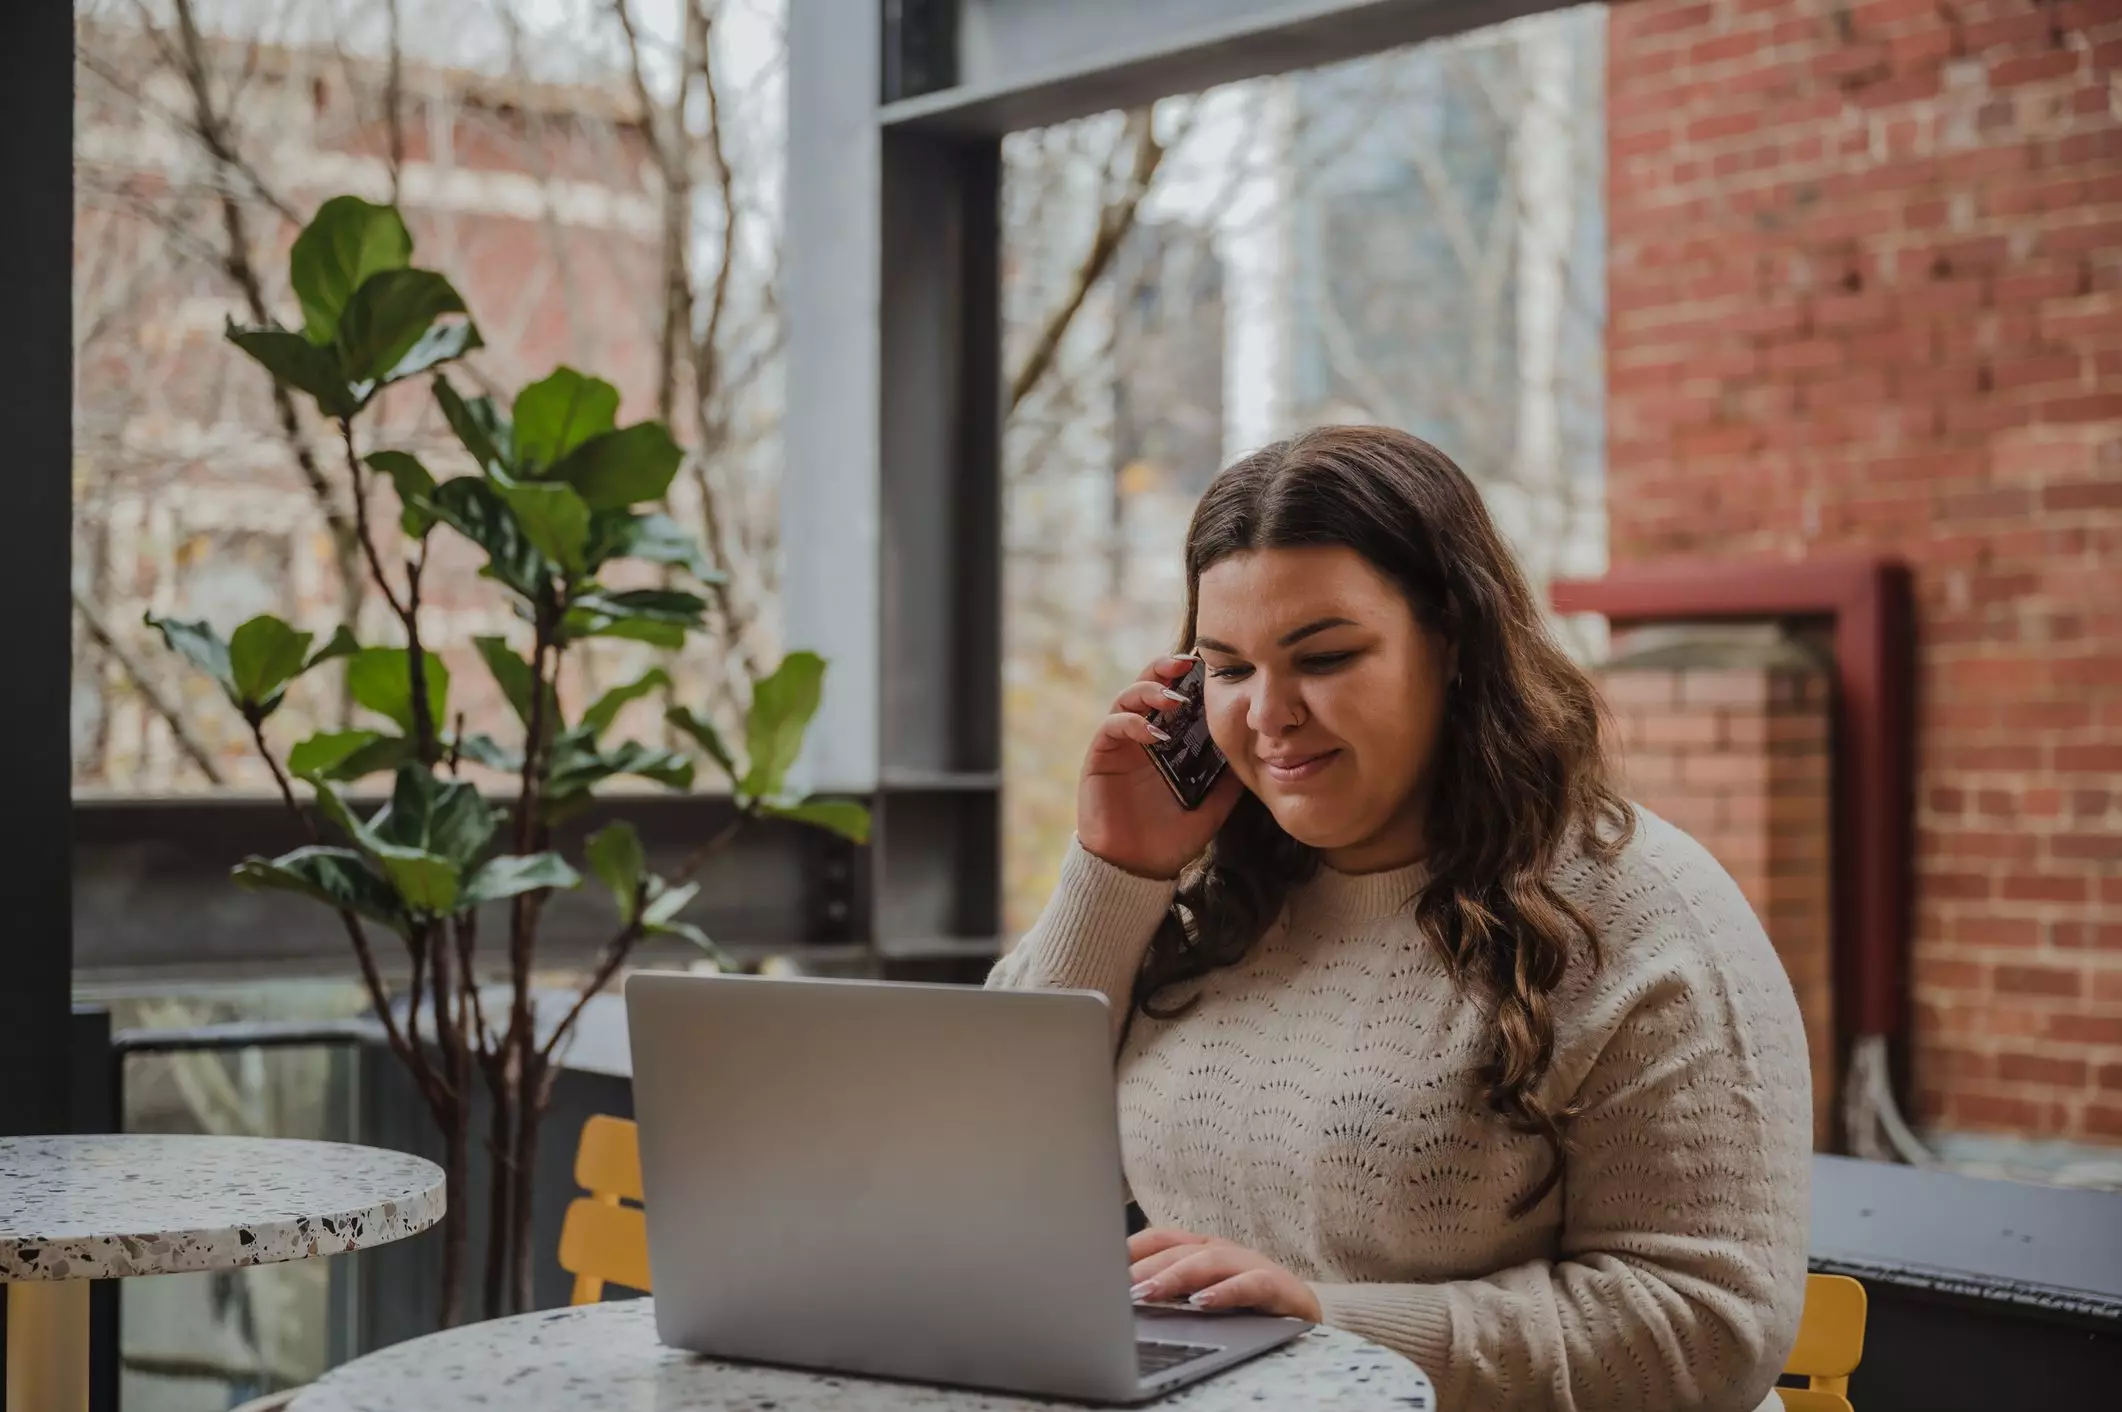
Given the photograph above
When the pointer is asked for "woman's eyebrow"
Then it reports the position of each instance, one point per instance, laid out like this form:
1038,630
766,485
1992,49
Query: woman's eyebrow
1288,639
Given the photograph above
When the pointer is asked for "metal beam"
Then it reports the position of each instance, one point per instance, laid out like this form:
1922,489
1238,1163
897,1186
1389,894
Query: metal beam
36,420
830,295
1026,65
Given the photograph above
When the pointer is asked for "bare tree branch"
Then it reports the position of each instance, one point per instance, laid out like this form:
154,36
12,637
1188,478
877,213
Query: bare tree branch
1114,222
150,691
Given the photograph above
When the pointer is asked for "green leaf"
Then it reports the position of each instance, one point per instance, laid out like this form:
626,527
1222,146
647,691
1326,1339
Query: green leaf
297,363
666,902
606,708
380,678
658,615
391,312
509,874
616,857
346,242
581,623
703,730
323,753
660,917
577,764
426,881
473,508
264,655
479,427
782,705
387,753
558,414
622,468
653,538
553,517
841,816
338,877
199,645
510,672
442,343
414,484
341,644
483,749
435,815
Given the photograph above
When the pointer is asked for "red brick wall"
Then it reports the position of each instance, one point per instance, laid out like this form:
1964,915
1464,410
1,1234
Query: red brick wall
1866,292
1738,756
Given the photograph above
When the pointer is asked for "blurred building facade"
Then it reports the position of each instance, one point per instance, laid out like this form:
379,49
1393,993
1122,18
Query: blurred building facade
538,200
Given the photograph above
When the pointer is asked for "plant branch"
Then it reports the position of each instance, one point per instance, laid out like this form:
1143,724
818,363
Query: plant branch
695,860
136,673
1114,222
362,529
609,960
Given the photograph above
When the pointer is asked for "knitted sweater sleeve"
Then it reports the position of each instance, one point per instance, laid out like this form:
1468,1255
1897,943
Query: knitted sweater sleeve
1093,934
1681,1265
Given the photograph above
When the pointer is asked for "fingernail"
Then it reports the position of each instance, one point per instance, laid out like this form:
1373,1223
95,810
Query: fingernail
1178,696
1141,1291
1202,1299
1161,735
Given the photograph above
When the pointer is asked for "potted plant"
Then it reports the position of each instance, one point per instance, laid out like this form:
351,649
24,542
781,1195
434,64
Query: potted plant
557,494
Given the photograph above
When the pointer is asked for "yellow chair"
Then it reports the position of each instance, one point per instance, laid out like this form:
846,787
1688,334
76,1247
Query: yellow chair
602,1240
1830,1341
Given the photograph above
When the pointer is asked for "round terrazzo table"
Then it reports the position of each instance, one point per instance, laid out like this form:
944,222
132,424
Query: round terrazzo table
109,1206
605,1356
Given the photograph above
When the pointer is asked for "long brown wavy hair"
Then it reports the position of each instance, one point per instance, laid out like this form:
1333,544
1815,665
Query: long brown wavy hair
1521,773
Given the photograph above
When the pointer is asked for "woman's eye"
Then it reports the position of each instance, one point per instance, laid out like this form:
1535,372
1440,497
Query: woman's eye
1326,661
1230,673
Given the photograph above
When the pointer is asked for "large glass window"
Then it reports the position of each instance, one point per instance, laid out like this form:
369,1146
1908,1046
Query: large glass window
1415,238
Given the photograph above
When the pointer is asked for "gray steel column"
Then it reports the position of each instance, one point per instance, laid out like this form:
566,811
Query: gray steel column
36,424
830,488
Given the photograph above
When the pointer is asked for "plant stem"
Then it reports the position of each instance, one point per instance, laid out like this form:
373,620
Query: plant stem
455,1132
531,1094
500,1155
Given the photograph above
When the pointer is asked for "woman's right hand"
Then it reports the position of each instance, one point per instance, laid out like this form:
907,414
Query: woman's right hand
1125,812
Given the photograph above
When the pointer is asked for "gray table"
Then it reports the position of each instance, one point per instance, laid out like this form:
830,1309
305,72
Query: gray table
605,1356
76,1209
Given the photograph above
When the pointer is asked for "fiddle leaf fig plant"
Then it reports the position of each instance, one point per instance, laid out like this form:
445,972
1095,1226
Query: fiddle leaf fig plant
554,495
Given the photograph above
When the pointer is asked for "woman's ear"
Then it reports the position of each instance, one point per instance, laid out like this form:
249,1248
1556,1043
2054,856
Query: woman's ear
1451,665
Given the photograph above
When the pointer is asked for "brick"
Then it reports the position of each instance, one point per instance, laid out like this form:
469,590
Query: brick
2086,1029
2040,887
2039,980
2046,1070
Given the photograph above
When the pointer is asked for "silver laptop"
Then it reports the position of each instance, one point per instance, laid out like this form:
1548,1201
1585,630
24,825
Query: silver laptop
904,1181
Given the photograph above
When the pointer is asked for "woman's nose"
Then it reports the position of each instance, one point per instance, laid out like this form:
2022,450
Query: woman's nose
1275,707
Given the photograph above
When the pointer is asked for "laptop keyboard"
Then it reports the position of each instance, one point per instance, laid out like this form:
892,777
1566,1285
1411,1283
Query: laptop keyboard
1153,1356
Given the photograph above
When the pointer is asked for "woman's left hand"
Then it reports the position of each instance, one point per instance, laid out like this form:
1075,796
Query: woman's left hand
1215,1274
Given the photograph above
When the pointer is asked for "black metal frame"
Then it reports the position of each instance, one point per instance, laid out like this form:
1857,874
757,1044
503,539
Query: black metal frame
36,360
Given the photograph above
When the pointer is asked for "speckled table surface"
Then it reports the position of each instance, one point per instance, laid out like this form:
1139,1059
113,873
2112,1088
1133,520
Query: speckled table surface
116,1205
603,1356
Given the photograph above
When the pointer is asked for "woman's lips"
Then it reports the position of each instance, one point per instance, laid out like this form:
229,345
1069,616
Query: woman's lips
1295,769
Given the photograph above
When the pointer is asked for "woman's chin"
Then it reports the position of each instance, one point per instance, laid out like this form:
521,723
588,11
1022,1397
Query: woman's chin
1317,828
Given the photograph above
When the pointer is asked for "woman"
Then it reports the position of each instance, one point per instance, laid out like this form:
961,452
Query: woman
1424,1031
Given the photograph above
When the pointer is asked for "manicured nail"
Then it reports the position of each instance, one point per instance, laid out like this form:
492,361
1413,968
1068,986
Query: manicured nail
1161,735
1202,1299
1178,696
1141,1291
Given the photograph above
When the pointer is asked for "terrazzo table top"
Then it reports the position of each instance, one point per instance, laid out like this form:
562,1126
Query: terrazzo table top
606,1356
110,1206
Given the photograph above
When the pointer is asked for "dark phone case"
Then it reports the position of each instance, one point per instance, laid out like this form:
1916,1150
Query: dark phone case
1189,761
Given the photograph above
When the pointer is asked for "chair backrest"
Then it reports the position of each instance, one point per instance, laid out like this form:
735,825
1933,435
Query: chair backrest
1830,1341
602,1239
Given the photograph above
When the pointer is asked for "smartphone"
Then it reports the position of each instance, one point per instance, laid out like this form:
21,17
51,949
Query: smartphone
1190,762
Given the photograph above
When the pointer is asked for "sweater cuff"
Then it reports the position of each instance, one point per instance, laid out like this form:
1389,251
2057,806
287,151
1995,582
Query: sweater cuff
1412,1320
1098,924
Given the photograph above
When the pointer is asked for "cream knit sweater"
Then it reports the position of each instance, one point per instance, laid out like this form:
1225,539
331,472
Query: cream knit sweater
1320,1106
